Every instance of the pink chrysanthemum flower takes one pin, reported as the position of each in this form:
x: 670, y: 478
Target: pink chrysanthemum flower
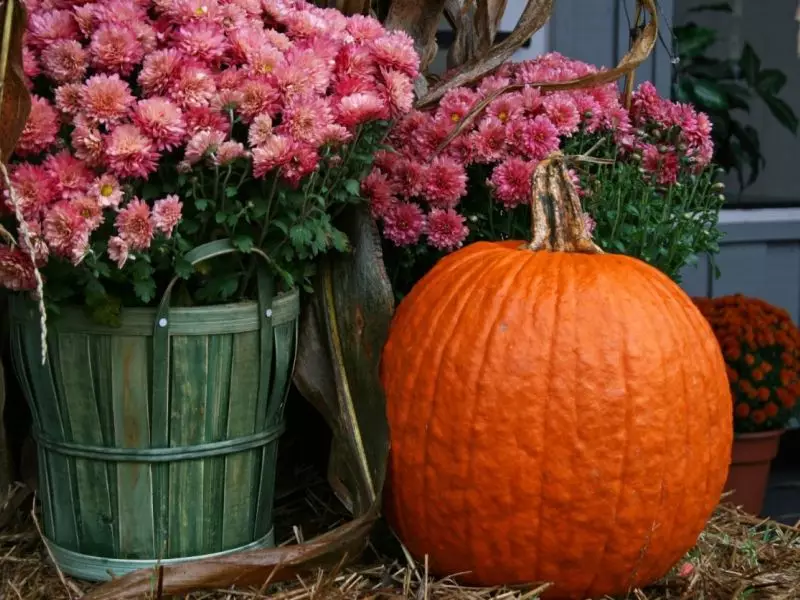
x: 589, y: 223
x: 456, y: 104
x: 403, y: 224
x: 511, y: 181
x: 305, y: 72
x: 506, y: 108
x: 335, y: 134
x: 203, y: 117
x: 377, y: 188
x: 40, y: 130
x: 305, y: 117
x: 16, y: 269
x: 364, y: 29
x: 69, y: 99
x: 492, y: 83
x: 562, y: 112
x: 264, y: 59
x: 130, y: 153
x: 64, y: 61
x: 194, y: 87
x: 360, y: 108
x: 160, y: 120
x: 203, y: 40
x: 202, y: 144
x: 664, y: 165
x: 107, y: 191
x: 87, y: 142
x: 275, y: 152
x: 30, y: 66
x: 34, y: 187
x: 445, y: 182
x: 258, y: 96
x: 158, y: 70
x: 395, y: 50
x: 303, y: 160
x: 115, y: 48
x: 535, y: 138
x: 167, y: 214
x: 227, y: 152
x: 398, y: 89
x: 489, y: 140
x: 40, y: 250
x: 260, y: 130
x: 46, y: 27
x: 304, y: 24
x: 446, y: 229
x: 355, y: 61
x: 135, y: 225
x: 89, y: 210
x: 69, y: 174
x: 106, y: 98
x: 118, y: 251
x: 408, y: 178
x: 66, y: 232
x: 530, y: 102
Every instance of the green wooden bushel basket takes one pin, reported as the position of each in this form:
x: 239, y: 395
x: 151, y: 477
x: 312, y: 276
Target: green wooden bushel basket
x: 157, y: 441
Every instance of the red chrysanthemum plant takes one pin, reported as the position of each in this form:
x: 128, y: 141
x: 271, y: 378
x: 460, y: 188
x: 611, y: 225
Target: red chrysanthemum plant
x: 159, y: 125
x: 761, y: 346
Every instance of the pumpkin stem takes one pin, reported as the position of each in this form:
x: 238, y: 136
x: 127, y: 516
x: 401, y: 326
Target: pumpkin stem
x: 558, y: 224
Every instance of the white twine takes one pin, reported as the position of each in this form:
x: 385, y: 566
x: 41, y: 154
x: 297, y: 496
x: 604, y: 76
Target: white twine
x: 26, y: 238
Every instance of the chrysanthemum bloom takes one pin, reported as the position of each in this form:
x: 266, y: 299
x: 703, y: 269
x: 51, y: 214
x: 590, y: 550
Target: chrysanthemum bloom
x: 364, y: 29
x: 30, y: 66
x: 305, y: 117
x: 273, y: 153
x: 158, y: 70
x: 395, y: 49
x: 203, y: 40
x: 456, y: 104
x: 202, y: 117
x: 69, y: 174
x: 118, y: 250
x: 130, y: 153
x: 106, y: 98
x: 489, y: 140
x: 403, y: 224
x: 446, y: 229
x: 562, y: 112
x: 507, y: 107
x: 66, y: 232
x: 201, y: 144
x: 193, y: 87
x: 16, y: 269
x: 40, y: 129
x: 511, y: 181
x: 87, y: 142
x: 161, y: 120
x: 360, y: 108
x: 37, y: 242
x: 398, y: 90
x: 64, y: 61
x: 135, y: 225
x: 445, y: 182
x: 304, y: 24
x: 305, y: 72
x: 335, y: 134
x: 408, y: 177
x: 107, y: 191
x: 260, y: 130
x: 227, y: 152
x: 116, y: 49
x: 492, y: 83
x: 89, y: 209
x: 258, y: 97
x: 34, y: 188
x: 534, y: 138
x: 69, y: 99
x: 46, y: 27
x: 377, y: 188
x: 167, y: 214
x: 303, y: 160
x: 589, y: 223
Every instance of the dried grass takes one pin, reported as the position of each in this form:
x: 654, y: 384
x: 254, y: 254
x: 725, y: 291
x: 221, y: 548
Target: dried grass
x: 737, y: 557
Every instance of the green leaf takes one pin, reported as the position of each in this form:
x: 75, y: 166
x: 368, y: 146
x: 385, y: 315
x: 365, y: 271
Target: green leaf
x: 145, y: 289
x: 183, y: 268
x: 750, y: 64
x: 201, y: 203
x: 782, y: 112
x: 709, y: 94
x: 692, y: 40
x: 353, y: 187
x: 231, y: 191
x: 770, y: 82
x: 243, y: 242
x: 300, y: 236
x: 220, y: 217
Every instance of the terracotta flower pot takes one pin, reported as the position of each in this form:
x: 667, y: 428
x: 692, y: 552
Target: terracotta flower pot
x: 751, y: 458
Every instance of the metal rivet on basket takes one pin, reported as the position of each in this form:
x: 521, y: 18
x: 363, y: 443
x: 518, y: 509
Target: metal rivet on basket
x: 162, y: 322
x: 268, y: 312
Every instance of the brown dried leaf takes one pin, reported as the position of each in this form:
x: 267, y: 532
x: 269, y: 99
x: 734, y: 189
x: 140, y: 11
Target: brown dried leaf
x: 353, y: 7
x: 15, y: 100
x: 535, y: 15
x: 461, y: 16
x: 487, y: 22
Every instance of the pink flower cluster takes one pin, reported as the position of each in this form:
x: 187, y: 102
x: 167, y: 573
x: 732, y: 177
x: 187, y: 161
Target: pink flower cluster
x: 139, y: 86
x: 414, y: 195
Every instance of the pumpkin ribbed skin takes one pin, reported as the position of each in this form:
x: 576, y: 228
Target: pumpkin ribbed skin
x: 553, y: 417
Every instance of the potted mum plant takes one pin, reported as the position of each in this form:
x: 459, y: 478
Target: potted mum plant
x: 761, y: 346
x: 177, y: 178
x: 458, y: 176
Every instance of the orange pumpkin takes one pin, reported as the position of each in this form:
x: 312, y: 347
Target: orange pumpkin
x: 556, y: 414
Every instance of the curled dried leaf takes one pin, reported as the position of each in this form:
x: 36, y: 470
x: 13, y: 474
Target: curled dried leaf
x: 15, y: 100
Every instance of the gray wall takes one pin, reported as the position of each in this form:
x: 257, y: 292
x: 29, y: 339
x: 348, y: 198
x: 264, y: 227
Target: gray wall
x: 770, y: 27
